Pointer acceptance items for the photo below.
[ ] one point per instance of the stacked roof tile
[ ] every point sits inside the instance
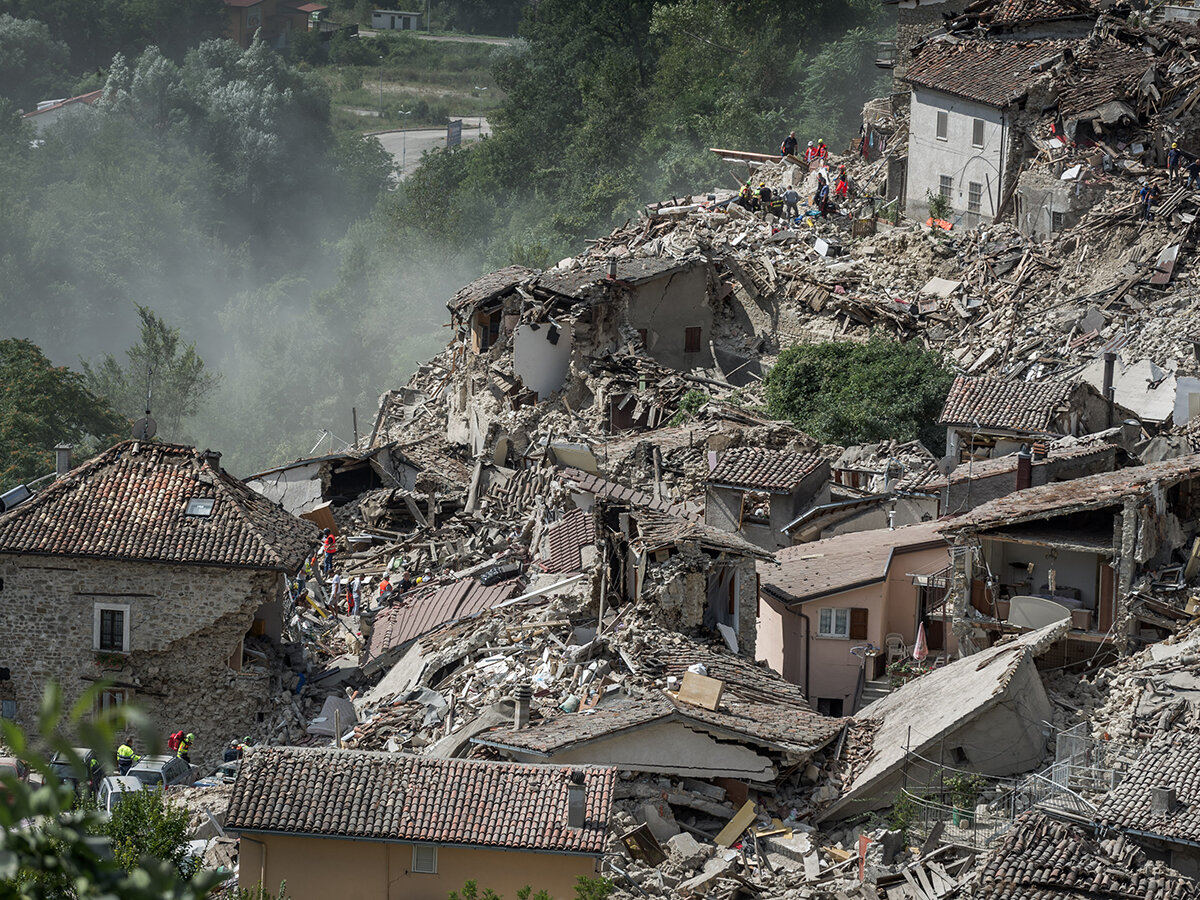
(1043, 859)
(988, 72)
(131, 503)
(393, 797)
(1172, 761)
(760, 469)
(567, 540)
(1025, 407)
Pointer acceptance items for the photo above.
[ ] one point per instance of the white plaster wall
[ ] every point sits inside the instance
(1072, 568)
(297, 490)
(1186, 388)
(929, 157)
(540, 365)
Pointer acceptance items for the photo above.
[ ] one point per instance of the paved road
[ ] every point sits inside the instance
(406, 147)
(457, 38)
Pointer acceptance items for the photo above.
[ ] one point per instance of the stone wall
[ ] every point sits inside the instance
(186, 625)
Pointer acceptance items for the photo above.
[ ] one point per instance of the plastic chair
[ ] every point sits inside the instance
(896, 648)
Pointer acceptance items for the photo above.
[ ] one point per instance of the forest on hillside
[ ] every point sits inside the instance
(210, 188)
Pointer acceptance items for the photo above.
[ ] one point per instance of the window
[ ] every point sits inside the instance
(974, 196)
(111, 698)
(945, 186)
(756, 507)
(833, 623)
(943, 125)
(1057, 221)
(424, 859)
(830, 706)
(201, 507)
(8, 709)
(691, 339)
(110, 628)
(977, 133)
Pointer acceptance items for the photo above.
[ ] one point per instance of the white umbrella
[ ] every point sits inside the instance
(921, 647)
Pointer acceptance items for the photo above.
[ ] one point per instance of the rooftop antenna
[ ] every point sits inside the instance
(145, 427)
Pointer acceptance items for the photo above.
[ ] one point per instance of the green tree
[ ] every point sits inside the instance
(853, 393)
(42, 405)
(180, 381)
(33, 66)
(54, 849)
(144, 824)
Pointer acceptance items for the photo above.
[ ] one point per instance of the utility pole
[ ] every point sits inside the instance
(381, 86)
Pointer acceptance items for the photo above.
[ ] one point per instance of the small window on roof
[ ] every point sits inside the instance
(200, 506)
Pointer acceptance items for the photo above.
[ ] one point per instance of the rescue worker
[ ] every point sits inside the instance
(746, 196)
(792, 199)
(1193, 173)
(811, 153)
(841, 190)
(788, 147)
(329, 545)
(125, 759)
(822, 150)
(1174, 159)
(1148, 194)
(764, 196)
(234, 751)
(184, 746)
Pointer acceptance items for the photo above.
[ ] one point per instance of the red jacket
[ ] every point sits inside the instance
(330, 543)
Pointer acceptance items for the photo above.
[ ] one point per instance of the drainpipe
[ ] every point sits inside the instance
(1110, 359)
(807, 648)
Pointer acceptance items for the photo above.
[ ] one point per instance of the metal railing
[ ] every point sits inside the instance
(974, 828)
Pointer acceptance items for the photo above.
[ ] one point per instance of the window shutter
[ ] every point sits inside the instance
(691, 339)
(858, 624)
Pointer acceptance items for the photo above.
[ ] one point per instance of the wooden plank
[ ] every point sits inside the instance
(1165, 265)
(914, 887)
(734, 827)
(700, 690)
(321, 516)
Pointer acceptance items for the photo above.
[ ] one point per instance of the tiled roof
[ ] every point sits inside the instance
(1000, 465)
(1102, 74)
(632, 270)
(1026, 407)
(1078, 494)
(567, 538)
(990, 72)
(1040, 858)
(489, 286)
(130, 503)
(657, 530)
(89, 98)
(764, 470)
(422, 611)
(612, 490)
(836, 564)
(1000, 13)
(393, 797)
(1172, 761)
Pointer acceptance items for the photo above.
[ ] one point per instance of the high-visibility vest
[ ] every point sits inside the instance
(125, 752)
(330, 543)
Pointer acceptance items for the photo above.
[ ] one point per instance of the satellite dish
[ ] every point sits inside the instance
(144, 429)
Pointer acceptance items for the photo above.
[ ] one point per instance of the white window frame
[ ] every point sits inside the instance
(977, 131)
(837, 616)
(118, 607)
(974, 196)
(942, 126)
(427, 864)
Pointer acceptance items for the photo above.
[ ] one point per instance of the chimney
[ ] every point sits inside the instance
(576, 800)
(1024, 468)
(612, 268)
(1110, 359)
(1040, 451)
(213, 458)
(62, 459)
(1162, 800)
(522, 695)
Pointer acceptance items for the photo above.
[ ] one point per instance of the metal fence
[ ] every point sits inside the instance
(931, 811)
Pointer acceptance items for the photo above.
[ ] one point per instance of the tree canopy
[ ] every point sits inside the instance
(42, 405)
(856, 393)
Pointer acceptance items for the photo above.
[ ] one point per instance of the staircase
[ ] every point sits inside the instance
(873, 690)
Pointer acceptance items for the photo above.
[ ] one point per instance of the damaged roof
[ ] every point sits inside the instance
(1077, 495)
(990, 72)
(489, 287)
(844, 562)
(132, 503)
(1000, 465)
(757, 468)
(612, 490)
(567, 538)
(1102, 75)
(633, 270)
(1040, 858)
(658, 530)
(1003, 13)
(424, 610)
(1171, 761)
(394, 797)
(1026, 407)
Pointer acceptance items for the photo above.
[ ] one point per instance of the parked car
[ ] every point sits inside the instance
(61, 766)
(113, 789)
(162, 771)
(13, 768)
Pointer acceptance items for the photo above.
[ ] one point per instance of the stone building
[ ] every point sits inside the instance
(148, 567)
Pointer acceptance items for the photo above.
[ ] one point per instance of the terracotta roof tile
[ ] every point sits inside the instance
(994, 73)
(603, 487)
(488, 287)
(420, 612)
(130, 503)
(393, 797)
(765, 470)
(1023, 406)
(836, 564)
(567, 538)
(657, 530)
(1172, 761)
(999, 13)
(1043, 859)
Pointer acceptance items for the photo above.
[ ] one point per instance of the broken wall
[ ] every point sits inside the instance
(296, 489)
(542, 357)
(665, 308)
(185, 623)
(1046, 204)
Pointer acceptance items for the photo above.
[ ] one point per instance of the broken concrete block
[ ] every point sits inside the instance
(686, 851)
(661, 820)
